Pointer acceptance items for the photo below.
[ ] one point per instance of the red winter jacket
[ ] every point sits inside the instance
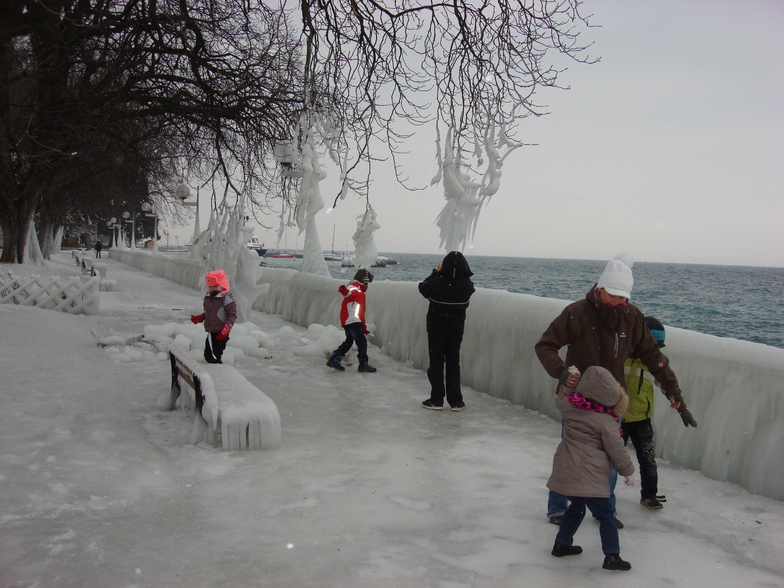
(353, 308)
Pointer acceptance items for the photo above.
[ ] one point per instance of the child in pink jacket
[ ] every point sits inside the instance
(220, 313)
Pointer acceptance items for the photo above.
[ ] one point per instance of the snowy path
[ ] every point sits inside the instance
(99, 488)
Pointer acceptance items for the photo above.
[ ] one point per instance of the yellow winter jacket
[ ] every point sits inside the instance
(639, 387)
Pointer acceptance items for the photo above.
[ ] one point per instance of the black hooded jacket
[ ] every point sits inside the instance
(449, 289)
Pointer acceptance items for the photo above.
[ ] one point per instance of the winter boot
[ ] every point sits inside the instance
(334, 361)
(613, 561)
(559, 549)
(364, 366)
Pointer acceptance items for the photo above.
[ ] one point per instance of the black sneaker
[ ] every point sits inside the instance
(613, 561)
(556, 520)
(560, 550)
(429, 404)
(458, 407)
(652, 503)
(334, 362)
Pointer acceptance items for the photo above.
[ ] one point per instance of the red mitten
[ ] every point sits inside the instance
(197, 318)
(365, 329)
(224, 333)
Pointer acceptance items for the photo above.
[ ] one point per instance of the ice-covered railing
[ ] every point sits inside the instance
(53, 293)
(734, 388)
(187, 272)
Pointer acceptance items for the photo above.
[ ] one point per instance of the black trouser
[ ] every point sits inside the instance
(355, 333)
(444, 337)
(641, 434)
(214, 348)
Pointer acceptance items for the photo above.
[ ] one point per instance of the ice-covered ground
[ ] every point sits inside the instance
(98, 486)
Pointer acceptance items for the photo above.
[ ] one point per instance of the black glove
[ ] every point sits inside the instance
(688, 420)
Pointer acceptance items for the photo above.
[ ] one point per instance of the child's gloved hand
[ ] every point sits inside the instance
(224, 332)
(365, 329)
(630, 480)
(686, 417)
(197, 318)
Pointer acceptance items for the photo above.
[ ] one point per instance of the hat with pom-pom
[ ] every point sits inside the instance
(617, 277)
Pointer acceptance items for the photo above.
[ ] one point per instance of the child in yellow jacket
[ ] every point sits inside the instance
(636, 423)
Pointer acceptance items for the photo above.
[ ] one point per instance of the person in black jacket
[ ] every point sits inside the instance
(448, 288)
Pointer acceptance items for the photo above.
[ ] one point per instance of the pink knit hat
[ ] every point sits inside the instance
(217, 278)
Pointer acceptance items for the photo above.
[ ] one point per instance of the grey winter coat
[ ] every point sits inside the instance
(581, 464)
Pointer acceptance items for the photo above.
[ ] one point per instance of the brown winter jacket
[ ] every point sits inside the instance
(602, 336)
(591, 440)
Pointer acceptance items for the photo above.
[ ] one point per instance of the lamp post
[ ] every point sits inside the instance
(149, 210)
(127, 215)
(114, 226)
(182, 193)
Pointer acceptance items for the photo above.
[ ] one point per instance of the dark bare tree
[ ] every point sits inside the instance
(214, 82)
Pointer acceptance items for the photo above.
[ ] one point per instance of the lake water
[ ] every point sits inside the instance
(727, 301)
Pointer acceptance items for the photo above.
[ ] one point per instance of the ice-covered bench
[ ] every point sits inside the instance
(98, 268)
(230, 411)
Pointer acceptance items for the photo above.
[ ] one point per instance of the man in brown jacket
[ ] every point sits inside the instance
(602, 330)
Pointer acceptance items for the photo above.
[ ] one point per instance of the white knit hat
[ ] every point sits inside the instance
(617, 276)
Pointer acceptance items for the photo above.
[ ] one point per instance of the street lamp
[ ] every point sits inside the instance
(182, 192)
(114, 226)
(149, 210)
(127, 215)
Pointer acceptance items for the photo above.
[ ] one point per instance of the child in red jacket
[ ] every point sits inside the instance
(352, 319)
(220, 313)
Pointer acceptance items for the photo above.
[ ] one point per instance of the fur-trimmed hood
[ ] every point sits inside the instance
(599, 385)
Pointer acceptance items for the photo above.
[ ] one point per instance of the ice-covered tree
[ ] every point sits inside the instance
(222, 246)
(378, 69)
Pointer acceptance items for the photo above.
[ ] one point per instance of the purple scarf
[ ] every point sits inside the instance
(581, 402)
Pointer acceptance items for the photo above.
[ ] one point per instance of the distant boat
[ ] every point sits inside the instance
(381, 261)
(255, 245)
(280, 255)
(333, 256)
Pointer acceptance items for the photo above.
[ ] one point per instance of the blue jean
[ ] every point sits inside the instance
(601, 508)
(355, 333)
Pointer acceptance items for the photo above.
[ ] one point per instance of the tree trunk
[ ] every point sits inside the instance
(16, 222)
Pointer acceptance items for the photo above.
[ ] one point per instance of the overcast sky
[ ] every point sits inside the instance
(671, 148)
